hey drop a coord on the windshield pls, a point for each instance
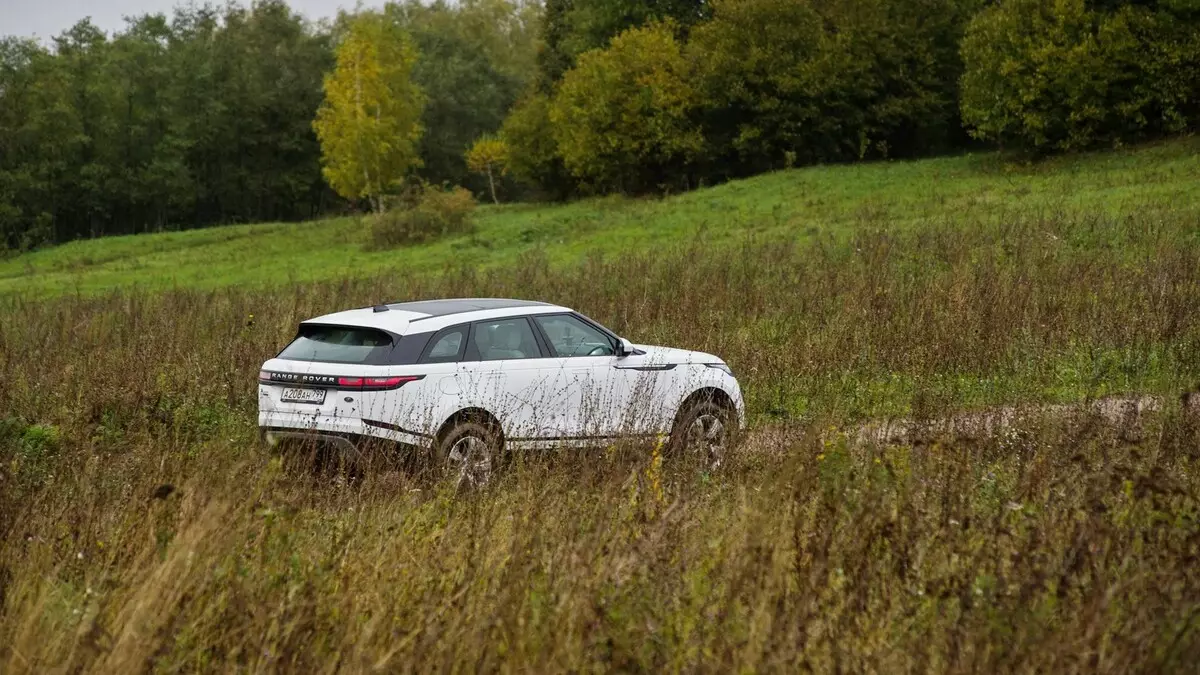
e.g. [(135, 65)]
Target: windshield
[(338, 344)]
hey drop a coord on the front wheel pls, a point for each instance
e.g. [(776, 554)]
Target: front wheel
[(470, 454), (704, 433)]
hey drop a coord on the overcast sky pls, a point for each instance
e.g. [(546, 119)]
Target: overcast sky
[(47, 18)]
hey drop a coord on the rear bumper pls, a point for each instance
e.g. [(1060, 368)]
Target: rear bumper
[(340, 442), (319, 428)]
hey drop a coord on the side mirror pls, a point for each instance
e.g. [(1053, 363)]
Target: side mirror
[(624, 348)]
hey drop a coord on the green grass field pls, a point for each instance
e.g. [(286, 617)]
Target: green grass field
[(793, 205)]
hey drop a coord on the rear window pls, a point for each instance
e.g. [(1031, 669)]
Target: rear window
[(339, 344)]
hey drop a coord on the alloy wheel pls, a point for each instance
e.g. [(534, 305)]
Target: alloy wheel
[(706, 438), (470, 462)]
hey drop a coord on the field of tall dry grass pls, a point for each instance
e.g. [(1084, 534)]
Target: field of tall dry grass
[(143, 528)]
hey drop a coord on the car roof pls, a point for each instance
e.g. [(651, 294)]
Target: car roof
[(460, 305), (430, 315)]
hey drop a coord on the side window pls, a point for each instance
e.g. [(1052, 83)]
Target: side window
[(446, 346), (569, 336), (502, 339)]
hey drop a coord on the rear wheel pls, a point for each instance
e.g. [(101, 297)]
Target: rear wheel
[(470, 454), (704, 433)]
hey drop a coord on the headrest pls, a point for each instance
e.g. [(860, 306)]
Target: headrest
[(506, 336)]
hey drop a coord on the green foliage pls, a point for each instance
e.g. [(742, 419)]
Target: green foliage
[(369, 123), (201, 119), (1070, 75), (533, 157), (886, 79), (772, 83), (27, 451), (205, 116), (427, 213), (826, 81), (594, 23), (572, 27), (753, 60), (476, 58), (552, 57), (622, 117)]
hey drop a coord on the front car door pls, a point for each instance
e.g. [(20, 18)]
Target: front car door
[(606, 397)]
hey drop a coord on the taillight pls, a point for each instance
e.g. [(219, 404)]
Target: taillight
[(393, 382), (314, 380)]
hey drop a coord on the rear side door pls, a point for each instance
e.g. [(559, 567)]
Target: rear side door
[(422, 405), (510, 373)]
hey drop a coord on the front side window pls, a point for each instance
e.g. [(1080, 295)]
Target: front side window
[(446, 346), (504, 339), (338, 344), (570, 336)]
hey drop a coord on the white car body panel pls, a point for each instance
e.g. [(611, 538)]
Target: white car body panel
[(538, 402)]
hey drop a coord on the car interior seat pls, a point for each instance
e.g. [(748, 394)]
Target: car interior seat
[(506, 342)]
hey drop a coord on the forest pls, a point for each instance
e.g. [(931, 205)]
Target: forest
[(207, 116)]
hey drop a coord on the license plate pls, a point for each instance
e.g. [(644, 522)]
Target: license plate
[(314, 396)]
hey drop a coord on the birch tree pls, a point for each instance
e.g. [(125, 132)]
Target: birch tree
[(370, 122)]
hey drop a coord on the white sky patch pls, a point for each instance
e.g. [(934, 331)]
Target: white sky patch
[(44, 19)]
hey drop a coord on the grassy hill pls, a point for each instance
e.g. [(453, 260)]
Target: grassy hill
[(146, 525), (794, 205)]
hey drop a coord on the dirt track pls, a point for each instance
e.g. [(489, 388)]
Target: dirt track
[(1127, 413)]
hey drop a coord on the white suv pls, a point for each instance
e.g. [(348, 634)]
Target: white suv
[(469, 377)]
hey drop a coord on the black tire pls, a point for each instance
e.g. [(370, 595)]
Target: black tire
[(470, 454), (704, 433)]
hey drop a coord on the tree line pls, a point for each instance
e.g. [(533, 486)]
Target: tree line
[(644, 96), (206, 117), (219, 115)]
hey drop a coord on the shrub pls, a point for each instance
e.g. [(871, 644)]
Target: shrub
[(424, 214), (27, 450)]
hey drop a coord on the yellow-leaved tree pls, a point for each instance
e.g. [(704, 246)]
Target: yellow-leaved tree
[(487, 156), (370, 121)]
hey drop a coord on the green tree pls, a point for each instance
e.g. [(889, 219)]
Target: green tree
[(572, 27), (83, 185), (753, 60), (886, 77), (204, 118), (23, 79), (369, 124), (622, 118), (553, 59), (788, 81), (1072, 74), (150, 178), (533, 157)]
